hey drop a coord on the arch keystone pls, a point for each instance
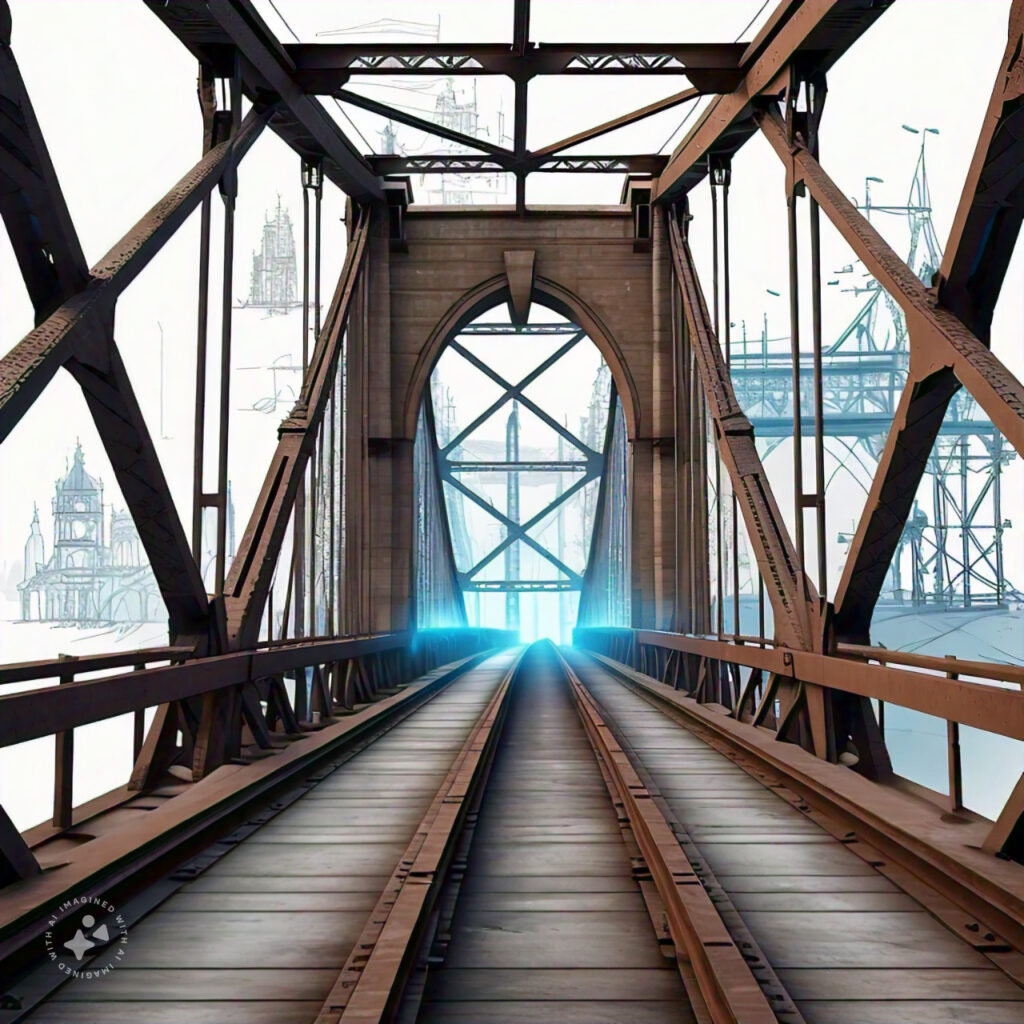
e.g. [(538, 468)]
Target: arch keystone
[(519, 266)]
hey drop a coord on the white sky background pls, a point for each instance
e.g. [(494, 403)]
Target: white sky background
[(115, 95)]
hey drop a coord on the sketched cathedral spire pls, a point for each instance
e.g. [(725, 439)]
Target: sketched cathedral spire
[(274, 276), (87, 581)]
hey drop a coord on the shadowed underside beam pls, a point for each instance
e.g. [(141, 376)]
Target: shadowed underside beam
[(214, 31)]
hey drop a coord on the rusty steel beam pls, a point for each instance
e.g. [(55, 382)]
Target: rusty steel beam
[(980, 705), (430, 127), (31, 202), (937, 337), (813, 33), (730, 991), (77, 327), (798, 621), (321, 68), (32, 714), (984, 233), (215, 31), (901, 466), (983, 236), (988, 219), (126, 439), (943, 354), (639, 163), (618, 122), (374, 976), (75, 312), (981, 242), (252, 571)]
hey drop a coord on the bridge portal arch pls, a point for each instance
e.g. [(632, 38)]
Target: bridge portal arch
[(494, 291), (416, 291)]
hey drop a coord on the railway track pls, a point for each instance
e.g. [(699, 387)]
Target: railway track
[(541, 839)]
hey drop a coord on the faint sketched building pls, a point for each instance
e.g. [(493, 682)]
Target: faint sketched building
[(208, 561), (273, 283), (86, 580)]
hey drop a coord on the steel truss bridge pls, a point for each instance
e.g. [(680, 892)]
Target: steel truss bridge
[(331, 808)]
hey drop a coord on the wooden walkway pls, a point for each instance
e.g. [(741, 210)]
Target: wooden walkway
[(540, 907), (847, 945)]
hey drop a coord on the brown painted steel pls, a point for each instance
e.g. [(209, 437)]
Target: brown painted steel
[(36, 713), (323, 67), (252, 570), (214, 32), (990, 708), (820, 30), (904, 830), (792, 595), (730, 991), (991, 210)]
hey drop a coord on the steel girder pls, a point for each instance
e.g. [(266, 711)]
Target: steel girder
[(75, 310), (944, 353), (325, 67), (798, 621), (991, 210), (815, 33), (219, 30), (248, 584)]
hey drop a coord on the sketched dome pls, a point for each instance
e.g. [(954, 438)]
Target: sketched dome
[(77, 479)]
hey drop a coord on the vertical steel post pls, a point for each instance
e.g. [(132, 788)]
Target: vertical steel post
[(229, 192), (317, 464), (726, 172), (719, 604), (208, 103), (299, 515), (794, 341), (816, 95)]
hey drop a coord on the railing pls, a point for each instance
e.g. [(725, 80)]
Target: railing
[(195, 726), (768, 687)]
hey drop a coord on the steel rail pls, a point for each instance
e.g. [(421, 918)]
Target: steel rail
[(727, 985), (33, 714), (374, 976), (54, 668), (977, 896)]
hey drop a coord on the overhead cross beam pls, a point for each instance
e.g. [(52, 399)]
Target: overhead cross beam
[(321, 68), (644, 163), (218, 30)]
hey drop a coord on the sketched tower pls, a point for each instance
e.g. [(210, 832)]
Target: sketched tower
[(78, 539)]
